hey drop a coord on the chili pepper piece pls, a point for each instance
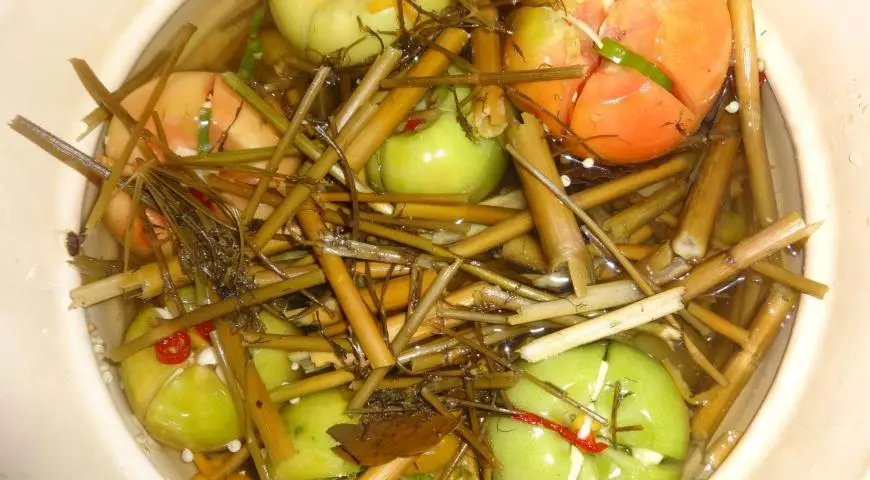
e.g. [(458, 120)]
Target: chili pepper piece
[(173, 349), (588, 444), (620, 55)]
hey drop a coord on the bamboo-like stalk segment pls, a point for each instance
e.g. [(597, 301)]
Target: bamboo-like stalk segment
[(705, 199), (464, 297), (309, 385), (452, 201), (290, 343), (392, 470), (368, 86), (259, 406), (481, 78), (719, 324), (740, 368), (636, 252), (427, 246), (488, 117), (561, 240), (626, 318), (148, 280), (406, 332), (391, 112), (599, 297), (379, 270), (726, 265), (355, 310), (286, 139), (627, 221), (663, 266), (791, 279), (416, 223), (392, 295), (751, 121), (468, 213), (525, 251), (598, 195), (217, 310)]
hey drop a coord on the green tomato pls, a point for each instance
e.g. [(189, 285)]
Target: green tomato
[(307, 422), (194, 410), (654, 404), (188, 405), (275, 366), (318, 28), (438, 158), (142, 374)]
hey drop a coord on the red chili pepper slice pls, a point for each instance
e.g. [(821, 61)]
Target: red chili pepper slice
[(413, 123), (205, 328), (173, 349), (762, 78), (201, 197), (587, 444)]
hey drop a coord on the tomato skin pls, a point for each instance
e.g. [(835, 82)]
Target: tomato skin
[(173, 349)]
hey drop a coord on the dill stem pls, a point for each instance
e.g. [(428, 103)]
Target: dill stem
[(467, 212), (355, 310), (392, 295), (705, 199), (232, 157), (463, 297), (488, 78), (108, 188), (368, 86), (217, 310), (427, 246), (289, 134), (252, 46), (450, 201), (488, 116), (624, 223), (290, 343), (663, 265), (403, 337), (599, 195), (309, 385), (390, 113), (559, 232)]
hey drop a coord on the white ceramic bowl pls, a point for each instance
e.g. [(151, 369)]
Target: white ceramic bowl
[(59, 419)]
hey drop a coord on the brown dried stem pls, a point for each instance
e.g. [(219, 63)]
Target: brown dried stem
[(599, 195), (355, 310), (705, 199), (739, 370), (724, 266), (391, 112), (562, 242), (217, 310), (488, 116), (624, 223), (469, 213)]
